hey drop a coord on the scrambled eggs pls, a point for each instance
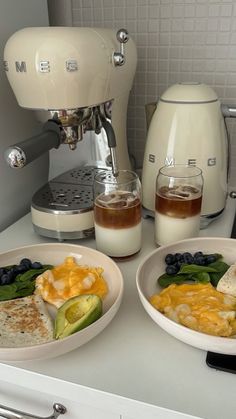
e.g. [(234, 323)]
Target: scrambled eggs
[(68, 280), (198, 306)]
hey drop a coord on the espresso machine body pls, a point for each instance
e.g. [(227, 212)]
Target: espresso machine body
[(82, 77), (188, 127)]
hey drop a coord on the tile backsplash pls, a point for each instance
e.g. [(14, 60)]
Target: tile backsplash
[(177, 41)]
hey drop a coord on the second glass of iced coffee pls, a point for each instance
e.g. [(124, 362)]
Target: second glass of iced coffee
[(117, 213), (177, 203)]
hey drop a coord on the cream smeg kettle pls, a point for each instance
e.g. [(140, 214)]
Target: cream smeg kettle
[(188, 127)]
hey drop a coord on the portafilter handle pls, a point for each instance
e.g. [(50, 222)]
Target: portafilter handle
[(21, 154), (228, 111)]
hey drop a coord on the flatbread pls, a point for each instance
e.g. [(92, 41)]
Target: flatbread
[(24, 322), (227, 283)]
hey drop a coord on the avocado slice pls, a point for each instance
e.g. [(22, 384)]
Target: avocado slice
[(77, 313)]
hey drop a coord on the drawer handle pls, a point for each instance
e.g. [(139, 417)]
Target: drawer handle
[(6, 412)]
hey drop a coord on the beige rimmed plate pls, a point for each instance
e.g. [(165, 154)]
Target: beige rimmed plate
[(55, 253), (153, 266)]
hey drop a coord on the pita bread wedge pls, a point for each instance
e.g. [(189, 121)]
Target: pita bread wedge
[(24, 322), (227, 283)]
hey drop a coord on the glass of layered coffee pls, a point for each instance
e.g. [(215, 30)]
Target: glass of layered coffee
[(117, 213), (177, 203)]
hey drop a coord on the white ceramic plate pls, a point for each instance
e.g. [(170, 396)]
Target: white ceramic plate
[(55, 254), (153, 266)]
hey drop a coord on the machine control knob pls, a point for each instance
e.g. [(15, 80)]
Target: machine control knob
[(15, 157), (119, 57), (122, 36)]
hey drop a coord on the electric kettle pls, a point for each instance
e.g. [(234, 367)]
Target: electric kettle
[(188, 127)]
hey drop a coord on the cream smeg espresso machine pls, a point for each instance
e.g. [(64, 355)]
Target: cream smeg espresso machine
[(82, 77)]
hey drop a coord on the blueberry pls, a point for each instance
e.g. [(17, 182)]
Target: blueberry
[(14, 269), (36, 265), (171, 269), (170, 259), (179, 257), (210, 259), (2, 271), (26, 262), (5, 279), (200, 260), (20, 269), (186, 254), (197, 254), (188, 258), (11, 274), (178, 265)]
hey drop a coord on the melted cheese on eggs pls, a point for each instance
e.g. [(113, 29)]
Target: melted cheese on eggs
[(68, 280), (198, 306)]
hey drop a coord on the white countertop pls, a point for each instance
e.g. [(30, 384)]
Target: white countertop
[(133, 357)]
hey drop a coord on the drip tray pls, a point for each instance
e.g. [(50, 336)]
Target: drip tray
[(63, 207), (69, 193)]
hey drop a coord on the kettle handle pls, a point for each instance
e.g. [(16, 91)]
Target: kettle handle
[(228, 111), (149, 111)]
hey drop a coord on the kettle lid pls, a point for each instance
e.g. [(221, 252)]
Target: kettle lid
[(189, 93)]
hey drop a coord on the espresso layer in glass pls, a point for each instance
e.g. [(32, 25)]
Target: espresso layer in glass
[(179, 202), (117, 210)]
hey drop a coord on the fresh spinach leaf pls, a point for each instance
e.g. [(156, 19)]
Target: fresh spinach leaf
[(218, 256), (6, 291), (24, 289), (32, 273), (192, 269), (165, 280), (202, 277), (197, 273), (16, 290), (23, 285), (221, 268)]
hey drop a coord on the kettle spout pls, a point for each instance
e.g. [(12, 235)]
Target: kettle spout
[(228, 111)]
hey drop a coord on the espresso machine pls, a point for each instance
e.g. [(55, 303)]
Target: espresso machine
[(82, 77), (187, 126)]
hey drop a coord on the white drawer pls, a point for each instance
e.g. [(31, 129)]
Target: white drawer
[(35, 394), (41, 403)]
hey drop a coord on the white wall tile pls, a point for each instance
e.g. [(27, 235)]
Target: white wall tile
[(178, 10), (226, 10), (214, 10)]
